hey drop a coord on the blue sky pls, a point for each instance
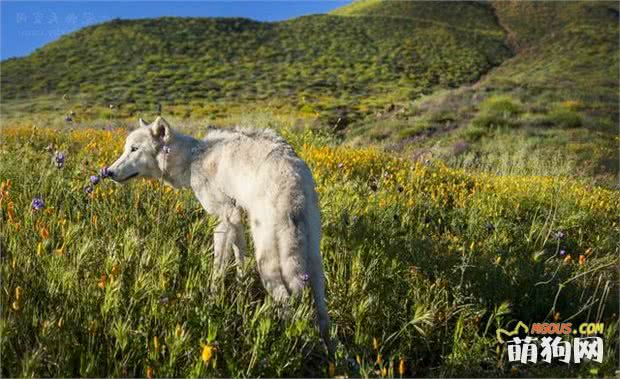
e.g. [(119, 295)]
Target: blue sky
[(27, 25)]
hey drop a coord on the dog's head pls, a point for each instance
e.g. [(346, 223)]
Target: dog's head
[(143, 152)]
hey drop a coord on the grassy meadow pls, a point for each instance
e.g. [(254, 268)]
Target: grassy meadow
[(423, 263), (466, 159)]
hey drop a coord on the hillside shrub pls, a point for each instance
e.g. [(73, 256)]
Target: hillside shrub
[(564, 117), (498, 111)]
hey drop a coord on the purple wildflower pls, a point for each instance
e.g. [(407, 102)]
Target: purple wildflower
[(88, 189), (305, 278), (559, 235), (59, 159), (94, 179), (38, 203), (105, 173), (562, 252)]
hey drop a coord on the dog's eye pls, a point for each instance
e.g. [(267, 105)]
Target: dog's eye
[(134, 148)]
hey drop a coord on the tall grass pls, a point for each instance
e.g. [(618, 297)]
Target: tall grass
[(423, 263)]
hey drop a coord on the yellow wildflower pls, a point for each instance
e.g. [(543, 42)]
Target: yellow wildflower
[(514, 371), (10, 210), (401, 367), (116, 269), (149, 372), (16, 306), (44, 233), (156, 344), (331, 369), (92, 328), (375, 343), (60, 251), (18, 293), (207, 353), (582, 260), (102, 280), (5, 186)]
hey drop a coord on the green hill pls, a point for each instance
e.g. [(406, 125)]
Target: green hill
[(326, 60), (466, 82), (555, 99)]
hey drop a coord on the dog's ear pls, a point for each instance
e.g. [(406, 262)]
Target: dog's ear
[(160, 129), (143, 124)]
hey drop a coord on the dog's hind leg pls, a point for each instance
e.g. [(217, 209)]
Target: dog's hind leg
[(292, 246), (267, 257)]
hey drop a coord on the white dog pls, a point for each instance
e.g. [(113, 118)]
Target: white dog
[(231, 171)]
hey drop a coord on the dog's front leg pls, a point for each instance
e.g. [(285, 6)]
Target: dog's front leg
[(228, 237), (221, 249), (237, 239)]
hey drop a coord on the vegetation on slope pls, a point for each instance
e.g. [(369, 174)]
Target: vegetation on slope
[(466, 16), (558, 96), (317, 62), (374, 71)]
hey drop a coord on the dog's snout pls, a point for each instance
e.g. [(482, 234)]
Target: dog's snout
[(110, 173)]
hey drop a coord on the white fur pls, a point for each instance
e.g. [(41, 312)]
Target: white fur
[(231, 171)]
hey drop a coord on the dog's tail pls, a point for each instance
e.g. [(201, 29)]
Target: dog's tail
[(299, 248), (314, 262), (315, 267)]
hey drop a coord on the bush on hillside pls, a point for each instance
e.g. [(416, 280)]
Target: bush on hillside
[(498, 111), (564, 117)]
